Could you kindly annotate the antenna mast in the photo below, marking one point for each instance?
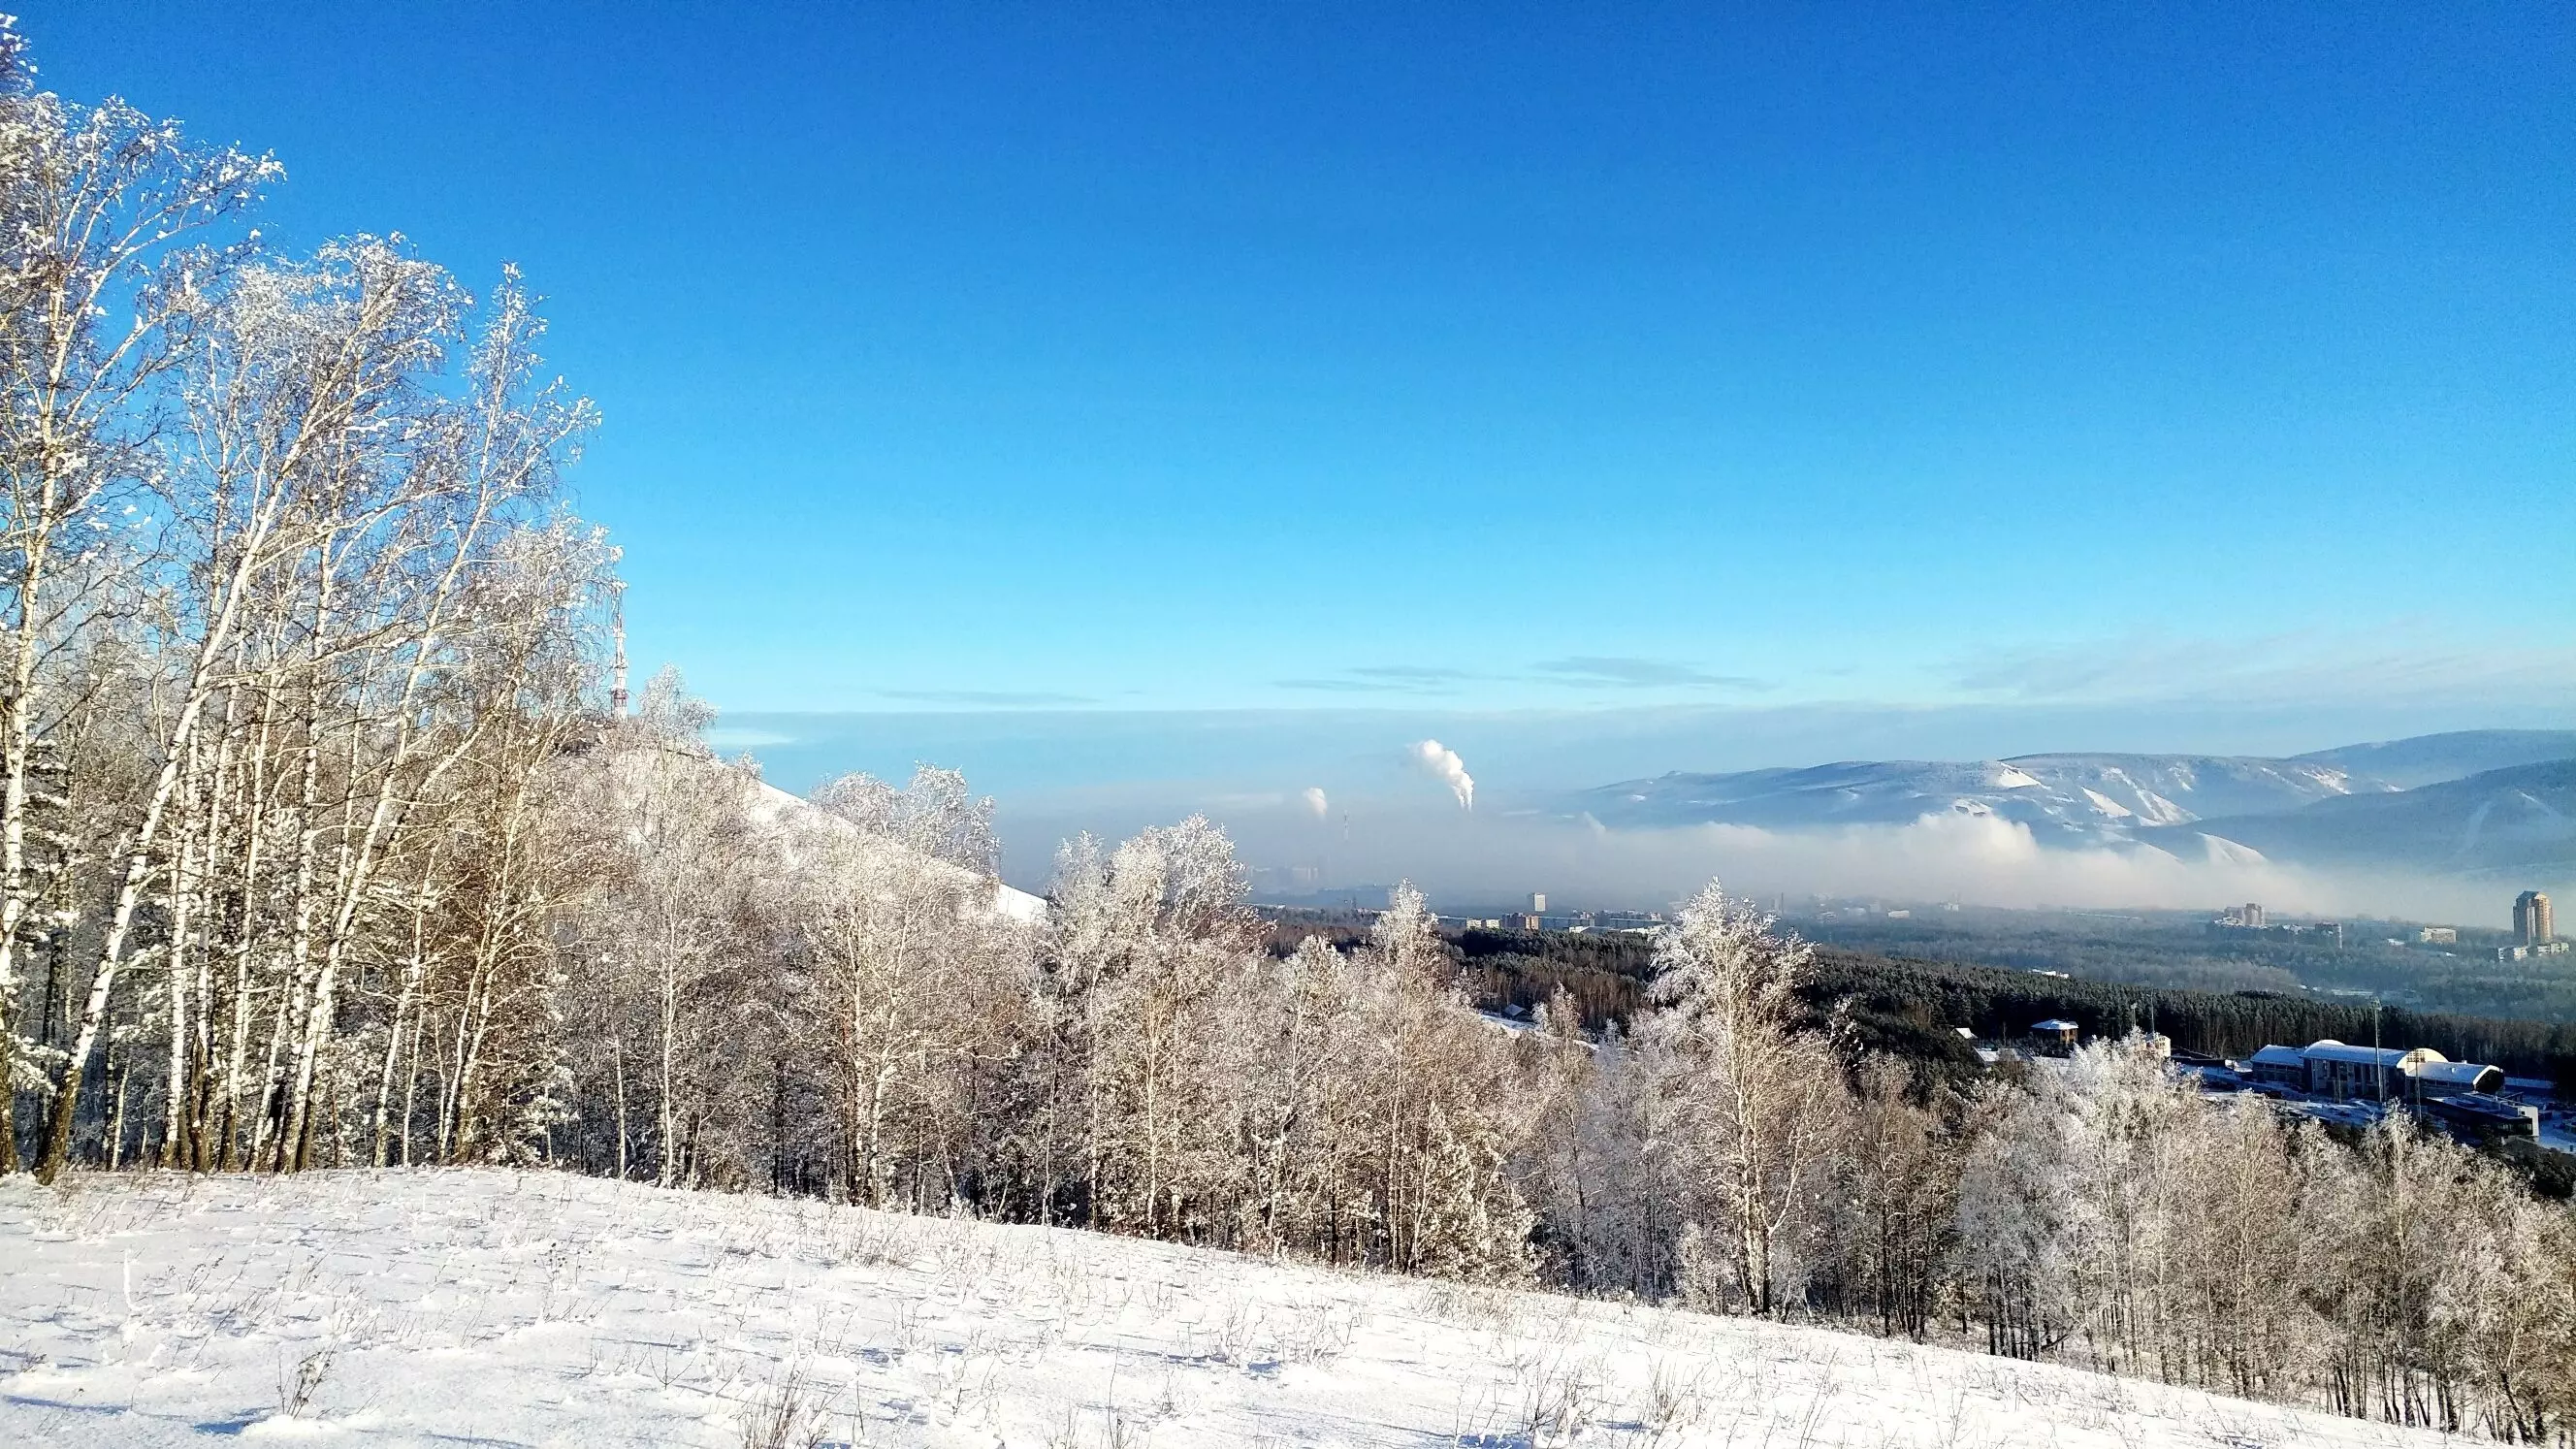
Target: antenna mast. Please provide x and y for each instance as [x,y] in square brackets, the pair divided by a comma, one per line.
[617,679]
[2378,1063]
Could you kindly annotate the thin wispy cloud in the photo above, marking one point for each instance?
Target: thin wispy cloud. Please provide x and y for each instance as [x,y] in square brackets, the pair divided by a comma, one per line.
[1575,671]
[1356,686]
[990,698]
[1386,679]
[1413,673]
[1610,671]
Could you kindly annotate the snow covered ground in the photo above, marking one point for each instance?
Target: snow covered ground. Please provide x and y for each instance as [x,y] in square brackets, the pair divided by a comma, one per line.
[489,1307]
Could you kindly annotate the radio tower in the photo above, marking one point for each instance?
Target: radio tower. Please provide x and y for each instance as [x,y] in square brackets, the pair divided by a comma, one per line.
[617,677]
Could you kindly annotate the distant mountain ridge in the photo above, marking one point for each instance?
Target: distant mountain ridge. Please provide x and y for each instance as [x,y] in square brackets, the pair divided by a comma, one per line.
[2516,818]
[2469,800]
[2431,759]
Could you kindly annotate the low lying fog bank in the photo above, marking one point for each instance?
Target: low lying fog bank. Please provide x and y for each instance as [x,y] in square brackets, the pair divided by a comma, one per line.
[1465,860]
[1340,798]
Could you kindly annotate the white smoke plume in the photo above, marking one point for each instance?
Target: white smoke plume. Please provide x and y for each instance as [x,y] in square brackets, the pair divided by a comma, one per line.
[1443,764]
[1315,801]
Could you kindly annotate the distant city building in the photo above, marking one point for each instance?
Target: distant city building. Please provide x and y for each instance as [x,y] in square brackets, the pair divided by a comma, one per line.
[1899,915]
[2439,936]
[2512,953]
[2247,917]
[1538,903]
[2533,922]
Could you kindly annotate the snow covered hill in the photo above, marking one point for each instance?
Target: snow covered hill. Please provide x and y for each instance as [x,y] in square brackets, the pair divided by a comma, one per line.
[2511,820]
[2431,759]
[2066,799]
[2475,800]
[779,810]
[495,1308]
[778,818]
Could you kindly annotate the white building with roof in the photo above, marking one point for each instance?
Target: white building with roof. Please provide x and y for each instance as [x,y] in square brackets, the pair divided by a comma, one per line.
[2330,1068]
[2281,1066]
[2344,1072]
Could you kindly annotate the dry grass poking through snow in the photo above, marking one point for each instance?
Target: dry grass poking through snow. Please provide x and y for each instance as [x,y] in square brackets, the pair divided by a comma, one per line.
[477,1307]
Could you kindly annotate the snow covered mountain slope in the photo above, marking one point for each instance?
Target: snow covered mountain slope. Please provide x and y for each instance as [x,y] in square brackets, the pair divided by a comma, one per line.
[2064,799]
[2430,759]
[484,1307]
[2517,819]
[2433,802]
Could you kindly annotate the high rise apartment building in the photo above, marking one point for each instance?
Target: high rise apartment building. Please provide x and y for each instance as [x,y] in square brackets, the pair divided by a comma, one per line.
[2533,925]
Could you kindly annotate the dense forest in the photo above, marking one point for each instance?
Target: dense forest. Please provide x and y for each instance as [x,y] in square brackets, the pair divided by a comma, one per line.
[2169,950]
[1910,1006]
[329,837]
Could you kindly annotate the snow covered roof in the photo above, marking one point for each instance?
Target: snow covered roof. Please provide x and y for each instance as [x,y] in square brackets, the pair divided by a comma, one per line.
[2279,1056]
[2335,1051]
[2466,1073]
[2055,1024]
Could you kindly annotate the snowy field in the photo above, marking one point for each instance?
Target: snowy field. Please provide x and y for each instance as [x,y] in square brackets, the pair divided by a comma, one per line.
[492,1308]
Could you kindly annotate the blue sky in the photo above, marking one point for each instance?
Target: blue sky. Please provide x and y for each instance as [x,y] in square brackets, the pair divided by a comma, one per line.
[1498,358]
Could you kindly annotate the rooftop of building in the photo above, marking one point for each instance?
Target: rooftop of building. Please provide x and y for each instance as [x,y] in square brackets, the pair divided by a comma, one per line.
[2335,1051]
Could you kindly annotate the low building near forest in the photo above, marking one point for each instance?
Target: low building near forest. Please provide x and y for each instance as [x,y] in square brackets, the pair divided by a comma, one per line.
[2279,1066]
[2342,1073]
[2348,1072]
[2056,1034]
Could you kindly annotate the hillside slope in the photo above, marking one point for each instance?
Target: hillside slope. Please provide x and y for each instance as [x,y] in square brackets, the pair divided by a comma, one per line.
[2430,759]
[779,810]
[502,1308]
[781,819]
[2520,818]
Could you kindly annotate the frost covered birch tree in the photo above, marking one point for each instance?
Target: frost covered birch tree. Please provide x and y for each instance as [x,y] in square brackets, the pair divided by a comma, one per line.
[1745,1103]
[99,206]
